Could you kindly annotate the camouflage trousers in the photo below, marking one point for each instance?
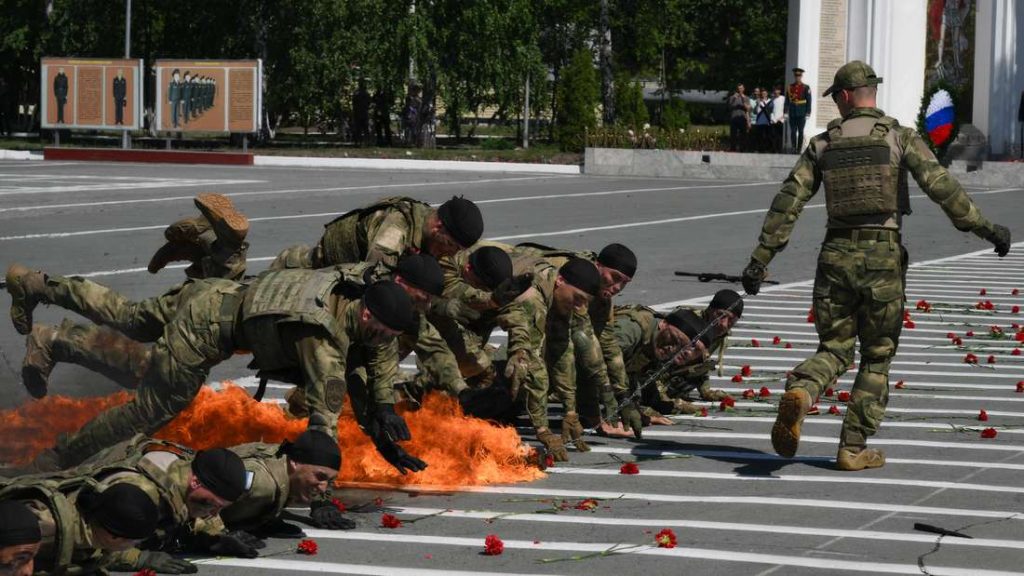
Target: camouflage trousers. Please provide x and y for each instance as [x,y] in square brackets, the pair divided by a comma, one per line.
[858,295]
[299,256]
[593,389]
[190,329]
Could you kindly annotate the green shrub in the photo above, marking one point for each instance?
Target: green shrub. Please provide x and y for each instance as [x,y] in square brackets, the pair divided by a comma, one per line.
[674,115]
[497,144]
[630,110]
[578,94]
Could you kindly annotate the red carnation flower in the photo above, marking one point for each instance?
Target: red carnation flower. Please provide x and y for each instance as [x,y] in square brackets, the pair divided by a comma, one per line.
[145,572]
[950,335]
[958,341]
[704,411]
[844,396]
[390,521]
[776,340]
[586,505]
[746,371]
[1015,291]
[969,334]
[726,402]
[970,359]
[1020,387]
[629,468]
[748,393]
[991,358]
[909,324]
[378,501]
[834,410]
[764,392]
[829,392]
[737,378]
[989,305]
[1019,336]
[338,504]
[666,538]
[789,345]
[810,316]
[983,416]
[307,547]
[493,546]
[900,385]
[982,292]
[1016,352]
[1015,309]
[755,342]
[995,331]
[813,410]
[989,433]
[549,461]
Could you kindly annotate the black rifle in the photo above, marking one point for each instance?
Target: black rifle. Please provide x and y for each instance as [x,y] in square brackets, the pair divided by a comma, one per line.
[718,276]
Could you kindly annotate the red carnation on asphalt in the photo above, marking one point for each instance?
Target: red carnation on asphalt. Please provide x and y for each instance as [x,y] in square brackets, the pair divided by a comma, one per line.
[813,410]
[776,340]
[900,385]
[549,461]
[390,521]
[833,409]
[307,547]
[764,392]
[923,305]
[789,345]
[338,504]
[1020,387]
[586,505]
[970,359]
[810,316]
[958,341]
[909,325]
[844,396]
[748,393]
[982,292]
[1019,336]
[969,334]
[145,572]
[1015,291]
[950,335]
[983,416]
[737,378]
[989,433]
[1016,352]
[704,411]
[829,392]
[493,546]
[726,402]
[629,468]
[995,331]
[666,538]
[755,342]
[1015,310]
[991,358]
[746,371]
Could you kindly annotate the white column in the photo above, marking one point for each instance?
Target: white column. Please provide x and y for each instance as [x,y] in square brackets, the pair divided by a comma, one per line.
[896,50]
[999,33]
[803,33]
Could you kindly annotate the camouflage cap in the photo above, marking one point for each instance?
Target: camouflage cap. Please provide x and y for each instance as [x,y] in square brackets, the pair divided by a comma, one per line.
[853,74]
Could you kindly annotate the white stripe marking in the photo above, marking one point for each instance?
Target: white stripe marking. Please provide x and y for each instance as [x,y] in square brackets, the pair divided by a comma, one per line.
[900,442]
[282,566]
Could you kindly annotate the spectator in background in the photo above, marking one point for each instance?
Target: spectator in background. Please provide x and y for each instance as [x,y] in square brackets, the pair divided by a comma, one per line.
[738,119]
[778,118]
[762,121]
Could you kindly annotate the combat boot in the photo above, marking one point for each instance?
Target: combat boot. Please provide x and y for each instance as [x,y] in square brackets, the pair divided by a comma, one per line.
[186,230]
[172,252]
[27,289]
[38,362]
[851,458]
[786,430]
[229,224]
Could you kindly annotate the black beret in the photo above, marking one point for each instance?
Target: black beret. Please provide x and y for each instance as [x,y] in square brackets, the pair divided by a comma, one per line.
[727,300]
[798,69]
[582,274]
[421,271]
[222,472]
[18,525]
[491,264]
[462,219]
[391,306]
[690,324]
[313,447]
[618,257]
[123,509]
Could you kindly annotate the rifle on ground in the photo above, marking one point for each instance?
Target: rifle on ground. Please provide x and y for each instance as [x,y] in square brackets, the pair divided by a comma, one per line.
[719,277]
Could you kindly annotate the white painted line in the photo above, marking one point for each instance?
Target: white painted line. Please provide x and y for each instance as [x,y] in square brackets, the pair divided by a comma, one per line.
[125,186]
[280,566]
[410,164]
[990,370]
[830,420]
[914,411]
[845,479]
[594,520]
[900,442]
[684,552]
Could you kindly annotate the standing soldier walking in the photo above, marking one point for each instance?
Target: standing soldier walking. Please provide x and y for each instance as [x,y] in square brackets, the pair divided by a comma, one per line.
[859,284]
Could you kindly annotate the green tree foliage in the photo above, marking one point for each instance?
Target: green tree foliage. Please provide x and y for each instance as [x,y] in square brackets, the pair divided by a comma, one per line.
[578,95]
[630,110]
[674,115]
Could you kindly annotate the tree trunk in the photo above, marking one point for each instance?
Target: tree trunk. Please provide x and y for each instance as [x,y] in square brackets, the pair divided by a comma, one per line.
[605,63]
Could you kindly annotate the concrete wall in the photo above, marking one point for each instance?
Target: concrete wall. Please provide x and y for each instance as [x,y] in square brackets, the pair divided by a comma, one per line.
[998,76]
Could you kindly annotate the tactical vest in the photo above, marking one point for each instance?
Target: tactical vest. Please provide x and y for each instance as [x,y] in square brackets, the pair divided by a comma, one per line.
[642,358]
[344,241]
[556,256]
[57,495]
[858,174]
[282,296]
[265,453]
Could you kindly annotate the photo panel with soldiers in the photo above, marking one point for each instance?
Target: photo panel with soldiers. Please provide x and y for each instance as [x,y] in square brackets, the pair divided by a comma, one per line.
[96,94]
[209,95]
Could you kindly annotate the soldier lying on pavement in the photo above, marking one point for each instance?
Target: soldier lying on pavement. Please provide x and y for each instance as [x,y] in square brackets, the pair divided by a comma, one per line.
[387,229]
[80,524]
[595,348]
[293,321]
[20,539]
[213,242]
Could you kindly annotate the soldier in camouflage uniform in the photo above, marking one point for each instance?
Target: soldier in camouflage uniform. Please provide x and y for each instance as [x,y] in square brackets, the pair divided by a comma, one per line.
[81,524]
[595,350]
[859,286]
[293,321]
[387,229]
[20,538]
[213,242]
[724,310]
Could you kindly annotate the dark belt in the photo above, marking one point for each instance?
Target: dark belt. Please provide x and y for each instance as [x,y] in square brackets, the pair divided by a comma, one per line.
[230,314]
[858,234]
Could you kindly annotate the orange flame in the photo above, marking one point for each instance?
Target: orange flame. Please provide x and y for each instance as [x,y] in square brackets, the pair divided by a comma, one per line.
[460,450]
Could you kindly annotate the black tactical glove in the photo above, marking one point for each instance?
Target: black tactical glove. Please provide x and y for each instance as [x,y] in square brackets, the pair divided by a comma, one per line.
[238,544]
[511,288]
[489,403]
[553,444]
[572,431]
[455,309]
[326,515]
[397,457]
[631,417]
[999,236]
[753,275]
[391,424]
[164,563]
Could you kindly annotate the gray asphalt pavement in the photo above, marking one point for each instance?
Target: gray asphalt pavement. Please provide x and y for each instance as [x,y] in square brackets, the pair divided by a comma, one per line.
[735,507]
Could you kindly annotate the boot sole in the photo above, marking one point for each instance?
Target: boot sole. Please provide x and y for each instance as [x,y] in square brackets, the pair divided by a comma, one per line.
[786,430]
[223,216]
